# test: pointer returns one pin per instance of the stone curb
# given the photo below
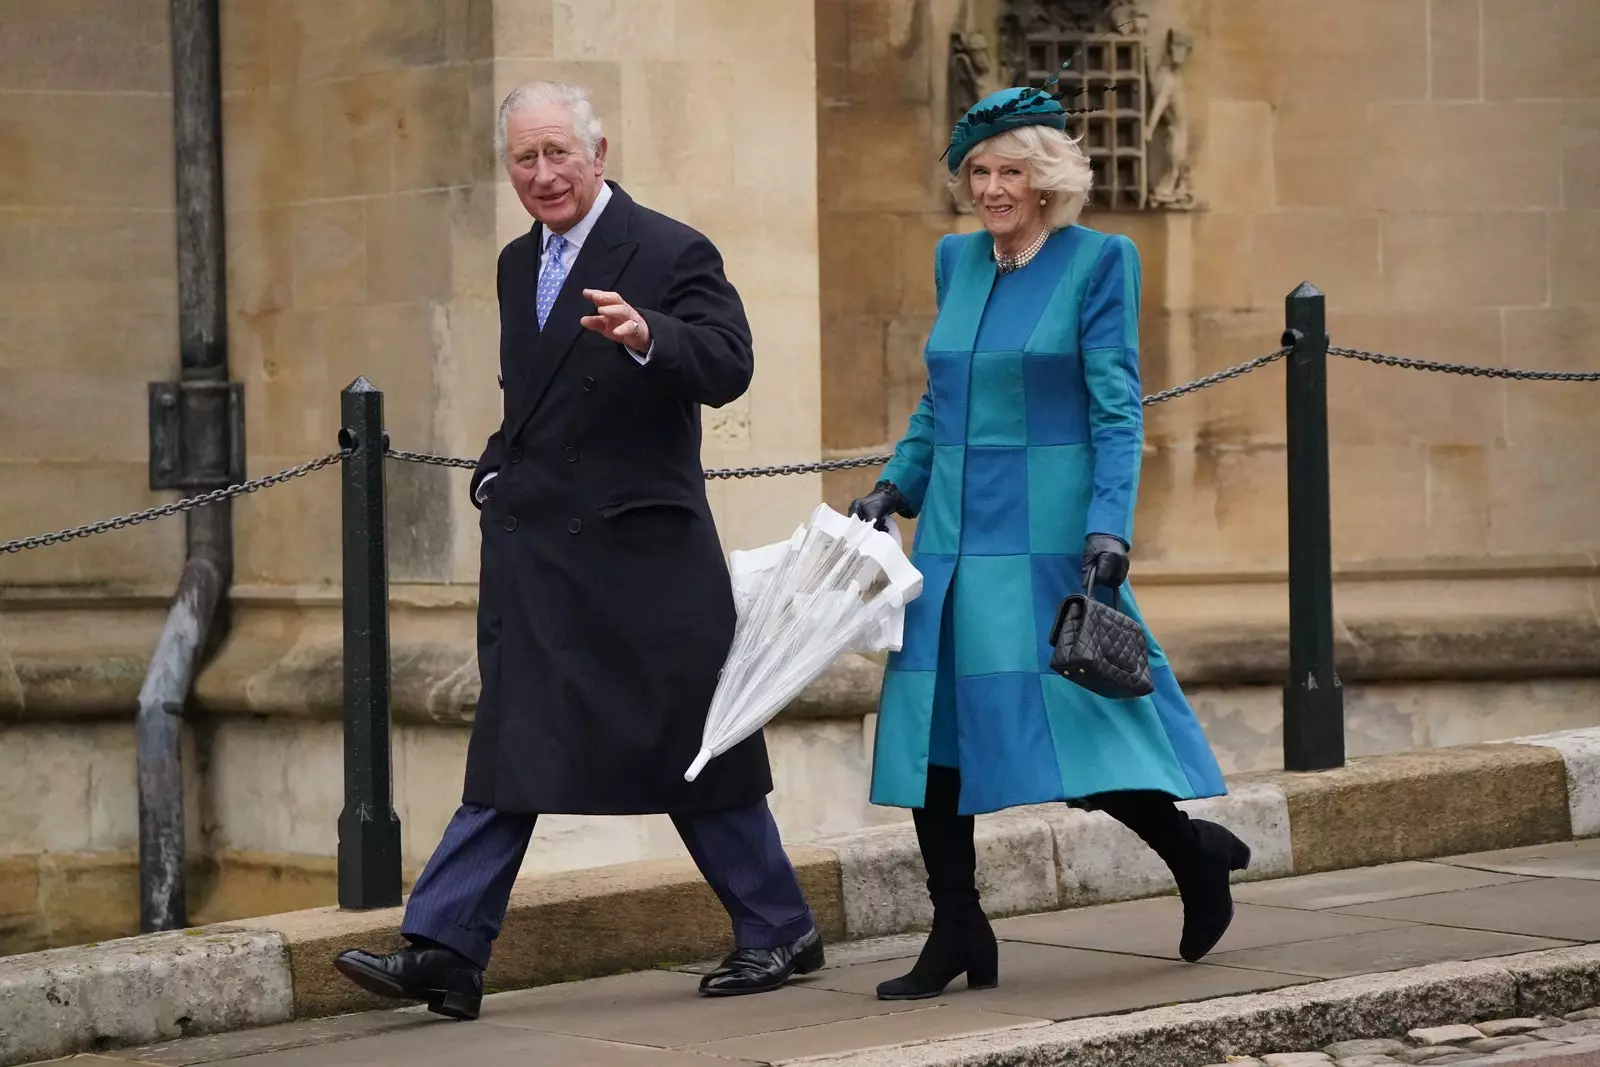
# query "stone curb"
(142, 989)
(589, 923)
(1306, 1016)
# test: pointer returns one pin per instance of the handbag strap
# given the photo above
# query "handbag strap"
(1088, 590)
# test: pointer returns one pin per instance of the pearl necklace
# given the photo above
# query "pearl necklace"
(1007, 264)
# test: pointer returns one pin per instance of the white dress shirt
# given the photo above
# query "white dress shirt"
(575, 237)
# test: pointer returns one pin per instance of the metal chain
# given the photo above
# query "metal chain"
(431, 459)
(822, 466)
(1212, 379)
(1467, 368)
(778, 470)
(213, 497)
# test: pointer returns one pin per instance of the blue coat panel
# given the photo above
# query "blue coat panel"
(1029, 437)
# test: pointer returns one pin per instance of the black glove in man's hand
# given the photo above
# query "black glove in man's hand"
(878, 505)
(1105, 559)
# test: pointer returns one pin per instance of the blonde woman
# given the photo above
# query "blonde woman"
(1021, 464)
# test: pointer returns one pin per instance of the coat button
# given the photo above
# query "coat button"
(588, 385)
(571, 454)
(510, 523)
(515, 455)
(575, 525)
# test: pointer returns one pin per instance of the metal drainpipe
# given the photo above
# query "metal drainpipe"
(210, 450)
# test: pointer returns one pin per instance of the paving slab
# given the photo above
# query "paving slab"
(663, 1009)
(1366, 885)
(481, 1045)
(1051, 982)
(1152, 927)
(187, 1052)
(1382, 950)
(879, 1031)
(1563, 859)
(1564, 908)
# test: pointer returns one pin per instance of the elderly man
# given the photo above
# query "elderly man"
(605, 609)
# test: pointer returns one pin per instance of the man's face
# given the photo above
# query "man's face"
(554, 177)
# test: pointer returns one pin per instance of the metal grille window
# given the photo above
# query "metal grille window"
(1107, 72)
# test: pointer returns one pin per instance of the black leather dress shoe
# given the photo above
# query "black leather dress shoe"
(761, 970)
(447, 981)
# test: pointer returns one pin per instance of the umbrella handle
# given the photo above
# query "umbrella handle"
(698, 765)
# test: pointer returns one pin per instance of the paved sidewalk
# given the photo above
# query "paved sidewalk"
(1074, 964)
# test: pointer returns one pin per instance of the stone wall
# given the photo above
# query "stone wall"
(1433, 165)
(88, 282)
(265, 794)
(364, 213)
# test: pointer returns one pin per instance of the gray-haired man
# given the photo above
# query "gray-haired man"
(605, 609)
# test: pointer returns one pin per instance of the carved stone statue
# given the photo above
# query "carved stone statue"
(1169, 116)
(969, 72)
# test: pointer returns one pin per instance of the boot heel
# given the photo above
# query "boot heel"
(1238, 856)
(811, 960)
(462, 1006)
(979, 978)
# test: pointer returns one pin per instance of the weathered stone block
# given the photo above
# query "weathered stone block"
(1431, 803)
(1445, 1035)
(1455, 44)
(1236, 171)
(146, 989)
(1575, 258)
(398, 229)
(442, 134)
(1418, 154)
(1580, 752)
(1445, 261)
(1261, 53)
(1549, 983)
(1322, 154)
(330, 253)
(1377, 1046)
(1537, 49)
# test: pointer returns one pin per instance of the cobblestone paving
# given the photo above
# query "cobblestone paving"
(1526, 1041)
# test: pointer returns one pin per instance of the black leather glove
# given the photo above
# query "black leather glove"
(878, 505)
(1105, 558)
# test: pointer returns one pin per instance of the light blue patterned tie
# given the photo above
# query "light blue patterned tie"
(551, 278)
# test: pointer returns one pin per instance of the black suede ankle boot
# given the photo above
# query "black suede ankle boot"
(961, 941)
(1200, 854)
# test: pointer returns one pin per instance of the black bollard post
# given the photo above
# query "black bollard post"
(369, 830)
(1313, 699)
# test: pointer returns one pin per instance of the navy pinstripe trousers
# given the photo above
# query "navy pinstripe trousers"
(460, 900)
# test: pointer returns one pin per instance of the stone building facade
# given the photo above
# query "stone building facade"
(1434, 165)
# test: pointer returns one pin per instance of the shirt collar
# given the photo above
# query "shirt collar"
(580, 233)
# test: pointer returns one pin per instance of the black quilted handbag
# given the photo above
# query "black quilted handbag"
(1098, 647)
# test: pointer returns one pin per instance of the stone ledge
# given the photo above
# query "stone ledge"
(1307, 1016)
(142, 989)
(1520, 620)
(601, 921)
(1428, 802)
(577, 924)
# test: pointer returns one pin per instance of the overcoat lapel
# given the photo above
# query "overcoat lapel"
(599, 263)
(966, 296)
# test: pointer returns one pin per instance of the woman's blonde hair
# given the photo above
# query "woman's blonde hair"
(1056, 165)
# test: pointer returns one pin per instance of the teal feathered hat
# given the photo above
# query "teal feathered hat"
(1009, 109)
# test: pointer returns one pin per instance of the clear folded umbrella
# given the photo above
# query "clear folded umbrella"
(837, 585)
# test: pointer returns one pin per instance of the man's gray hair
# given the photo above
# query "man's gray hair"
(585, 123)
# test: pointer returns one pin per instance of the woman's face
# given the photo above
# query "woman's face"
(1005, 201)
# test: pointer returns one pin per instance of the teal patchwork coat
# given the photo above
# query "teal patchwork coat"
(1029, 437)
